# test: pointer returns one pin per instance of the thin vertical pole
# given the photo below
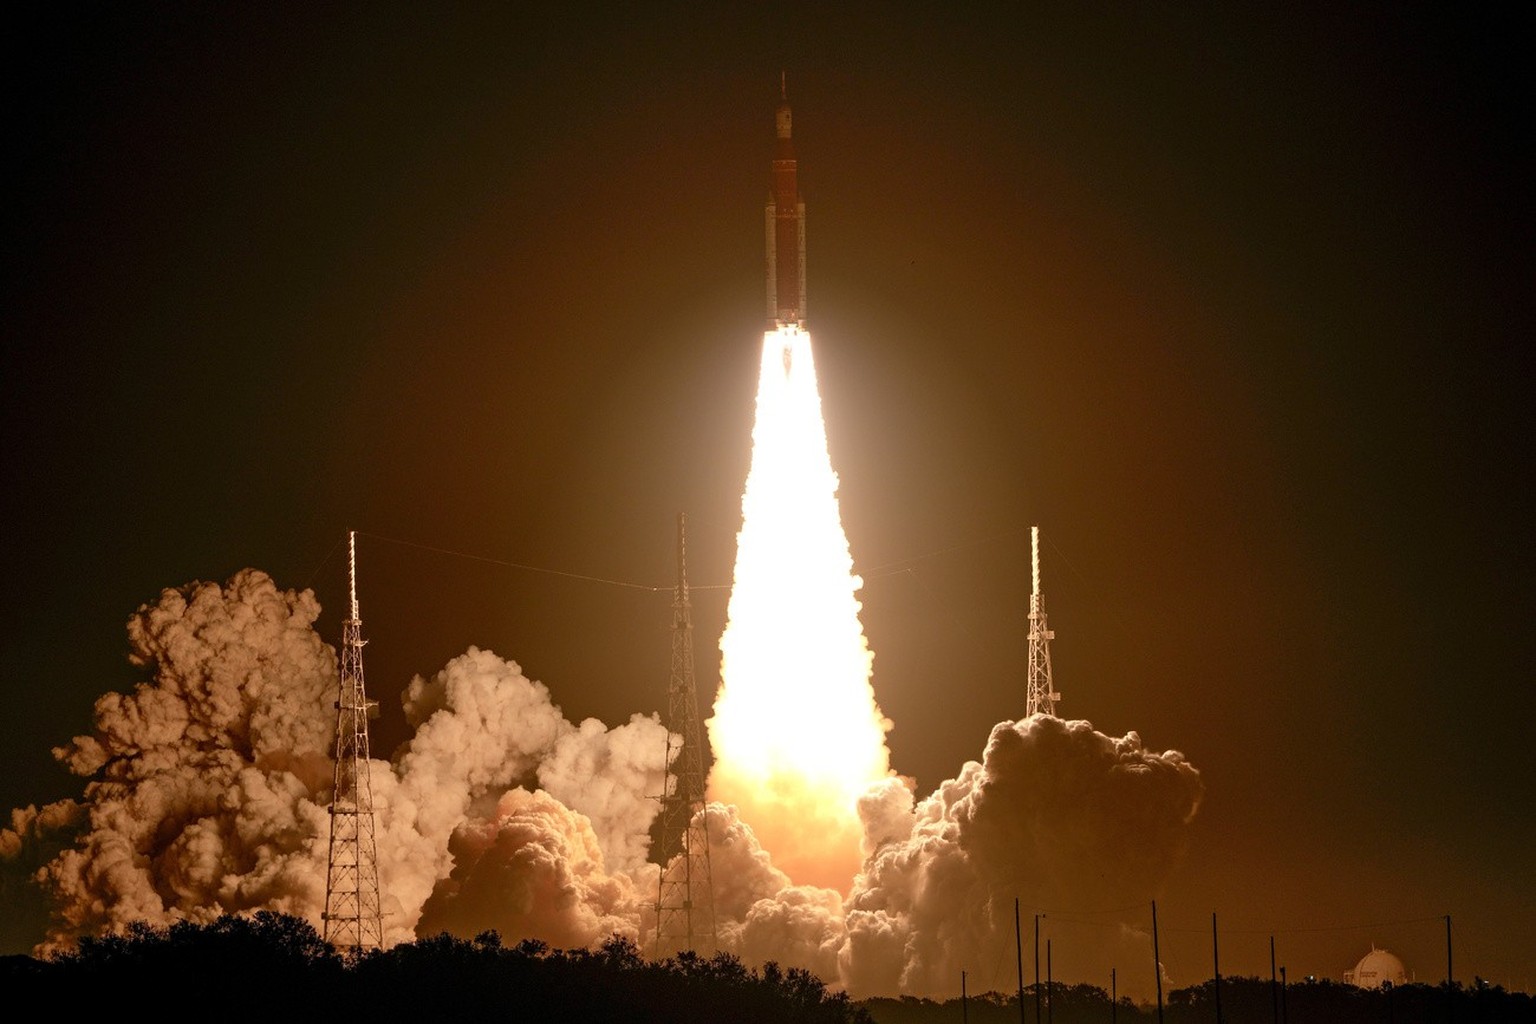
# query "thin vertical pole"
(1274, 992)
(1050, 1009)
(1216, 966)
(965, 1012)
(1037, 969)
(1157, 964)
(1114, 997)
(1018, 951)
(1450, 977)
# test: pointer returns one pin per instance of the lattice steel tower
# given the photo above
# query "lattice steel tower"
(352, 917)
(1042, 692)
(685, 901)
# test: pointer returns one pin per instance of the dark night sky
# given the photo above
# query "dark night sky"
(1233, 303)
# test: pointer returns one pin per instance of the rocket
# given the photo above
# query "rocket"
(784, 223)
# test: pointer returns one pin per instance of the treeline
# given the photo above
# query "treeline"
(1243, 1001)
(269, 965)
(274, 966)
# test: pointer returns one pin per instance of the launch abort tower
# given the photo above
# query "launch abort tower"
(784, 221)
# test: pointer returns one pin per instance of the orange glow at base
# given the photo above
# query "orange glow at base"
(796, 733)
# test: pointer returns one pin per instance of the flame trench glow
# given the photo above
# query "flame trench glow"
(796, 733)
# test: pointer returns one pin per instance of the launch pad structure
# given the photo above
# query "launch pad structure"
(353, 920)
(685, 902)
(1042, 695)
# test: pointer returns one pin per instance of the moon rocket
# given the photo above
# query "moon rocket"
(784, 223)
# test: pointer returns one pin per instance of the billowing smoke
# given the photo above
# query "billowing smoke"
(208, 784)
(481, 728)
(35, 837)
(201, 789)
(533, 869)
(1056, 813)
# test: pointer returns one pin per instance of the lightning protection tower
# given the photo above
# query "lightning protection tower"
(353, 921)
(1042, 692)
(685, 902)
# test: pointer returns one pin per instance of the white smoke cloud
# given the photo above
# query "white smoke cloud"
(612, 776)
(201, 799)
(1068, 817)
(208, 784)
(1055, 811)
(533, 869)
(760, 915)
(742, 870)
(799, 926)
(481, 728)
(35, 837)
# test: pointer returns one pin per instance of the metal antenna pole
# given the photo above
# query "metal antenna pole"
(353, 920)
(1042, 696)
(685, 902)
(1157, 964)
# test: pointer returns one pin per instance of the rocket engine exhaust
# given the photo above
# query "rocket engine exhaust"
(796, 733)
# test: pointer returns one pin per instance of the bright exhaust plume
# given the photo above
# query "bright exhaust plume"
(796, 733)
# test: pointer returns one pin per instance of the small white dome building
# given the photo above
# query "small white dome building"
(1375, 969)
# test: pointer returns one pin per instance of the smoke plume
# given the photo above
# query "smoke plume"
(533, 870)
(1056, 813)
(201, 780)
(208, 784)
(482, 727)
(207, 788)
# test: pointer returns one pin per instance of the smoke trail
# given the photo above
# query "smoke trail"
(796, 733)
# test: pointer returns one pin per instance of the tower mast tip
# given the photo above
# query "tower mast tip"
(352, 570)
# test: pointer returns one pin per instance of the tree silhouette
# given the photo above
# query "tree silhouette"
(262, 965)
(245, 967)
